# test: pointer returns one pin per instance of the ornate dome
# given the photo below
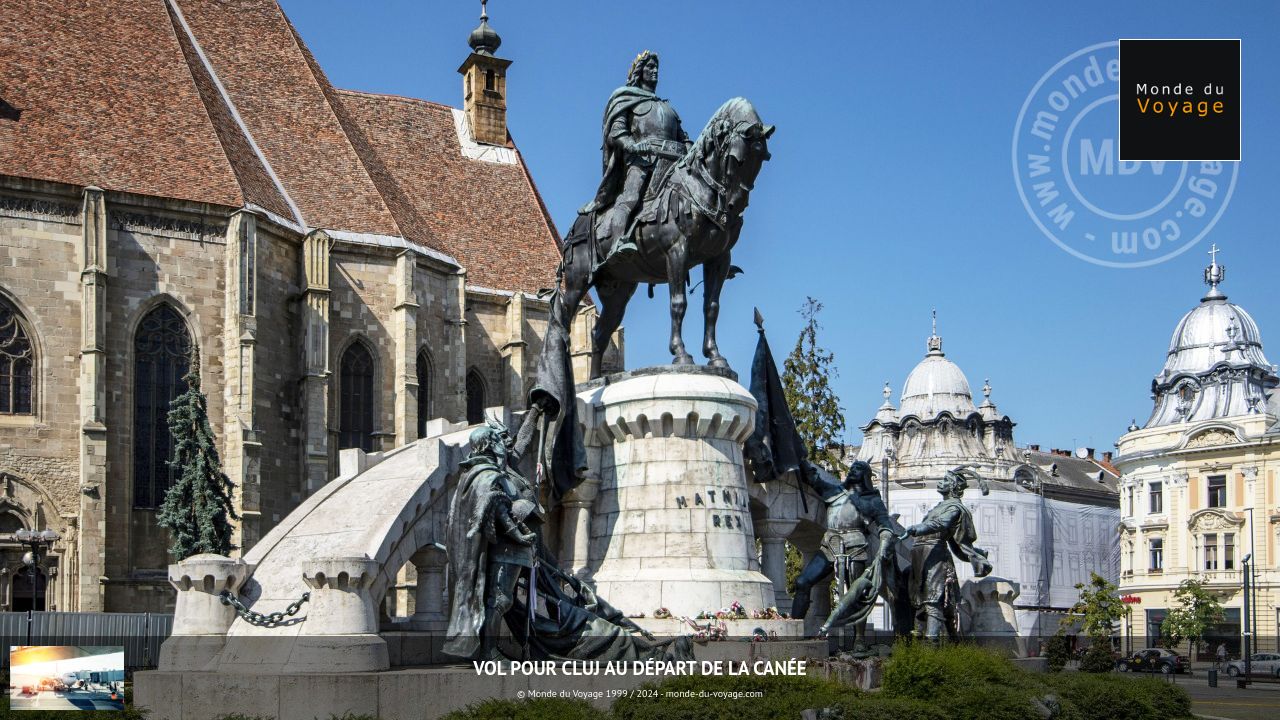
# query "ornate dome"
(936, 385)
(1215, 366)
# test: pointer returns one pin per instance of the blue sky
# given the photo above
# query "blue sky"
(890, 191)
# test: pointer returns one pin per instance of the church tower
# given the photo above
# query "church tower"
(484, 84)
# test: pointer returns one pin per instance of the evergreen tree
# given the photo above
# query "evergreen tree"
(197, 508)
(806, 377)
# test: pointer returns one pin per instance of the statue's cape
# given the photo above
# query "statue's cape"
(469, 531)
(622, 101)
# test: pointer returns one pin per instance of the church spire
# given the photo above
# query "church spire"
(484, 84)
(935, 342)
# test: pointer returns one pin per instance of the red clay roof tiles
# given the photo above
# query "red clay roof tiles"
(119, 95)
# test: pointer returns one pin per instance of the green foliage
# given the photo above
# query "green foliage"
(197, 509)
(969, 683)
(1057, 652)
(1195, 610)
(815, 407)
(964, 681)
(1116, 697)
(782, 697)
(536, 709)
(880, 707)
(1098, 658)
(1099, 608)
(795, 564)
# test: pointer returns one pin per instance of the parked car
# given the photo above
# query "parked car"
(1158, 660)
(1262, 664)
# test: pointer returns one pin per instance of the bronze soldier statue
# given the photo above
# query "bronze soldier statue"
(856, 520)
(491, 535)
(642, 138)
(947, 529)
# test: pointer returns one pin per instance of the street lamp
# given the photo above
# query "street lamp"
(37, 541)
(1248, 651)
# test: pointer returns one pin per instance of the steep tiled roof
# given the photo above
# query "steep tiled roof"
(107, 98)
(220, 101)
(487, 215)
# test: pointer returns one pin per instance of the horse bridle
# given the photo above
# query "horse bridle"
(717, 215)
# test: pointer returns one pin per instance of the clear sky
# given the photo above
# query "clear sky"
(890, 191)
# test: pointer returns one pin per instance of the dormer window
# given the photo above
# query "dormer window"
(8, 112)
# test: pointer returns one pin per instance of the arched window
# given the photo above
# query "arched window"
(161, 353)
(17, 364)
(424, 392)
(355, 398)
(475, 397)
(10, 523)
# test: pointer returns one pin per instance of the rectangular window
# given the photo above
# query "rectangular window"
(1218, 491)
(1157, 554)
(1132, 510)
(1228, 551)
(1211, 551)
(1155, 495)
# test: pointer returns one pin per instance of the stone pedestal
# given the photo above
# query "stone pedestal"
(671, 526)
(200, 619)
(341, 631)
(993, 620)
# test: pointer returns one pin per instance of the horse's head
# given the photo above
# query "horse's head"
(732, 149)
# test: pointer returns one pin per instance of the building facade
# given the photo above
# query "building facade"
(1050, 518)
(178, 180)
(1199, 491)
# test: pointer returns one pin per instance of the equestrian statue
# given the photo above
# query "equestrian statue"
(664, 206)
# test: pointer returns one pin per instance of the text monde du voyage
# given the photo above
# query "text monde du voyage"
(1179, 99)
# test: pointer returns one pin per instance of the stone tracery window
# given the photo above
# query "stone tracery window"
(161, 356)
(355, 402)
(17, 364)
(424, 391)
(475, 397)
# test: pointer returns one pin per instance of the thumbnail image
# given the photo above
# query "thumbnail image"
(66, 677)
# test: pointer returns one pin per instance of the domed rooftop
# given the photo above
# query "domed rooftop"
(484, 39)
(1215, 366)
(935, 386)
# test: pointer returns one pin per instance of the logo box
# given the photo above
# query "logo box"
(1180, 100)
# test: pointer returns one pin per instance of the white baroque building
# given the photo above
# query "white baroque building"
(1051, 516)
(1199, 491)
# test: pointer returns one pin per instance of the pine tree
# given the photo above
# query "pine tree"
(197, 508)
(806, 377)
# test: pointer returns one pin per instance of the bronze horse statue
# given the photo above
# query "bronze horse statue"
(690, 217)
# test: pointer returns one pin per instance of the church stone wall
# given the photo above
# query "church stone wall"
(147, 268)
(278, 379)
(37, 274)
(178, 252)
(361, 306)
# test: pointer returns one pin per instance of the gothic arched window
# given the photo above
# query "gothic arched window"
(475, 397)
(424, 392)
(17, 364)
(161, 353)
(355, 398)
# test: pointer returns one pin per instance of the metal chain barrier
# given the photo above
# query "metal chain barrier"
(259, 619)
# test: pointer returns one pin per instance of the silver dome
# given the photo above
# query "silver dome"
(1215, 366)
(935, 386)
